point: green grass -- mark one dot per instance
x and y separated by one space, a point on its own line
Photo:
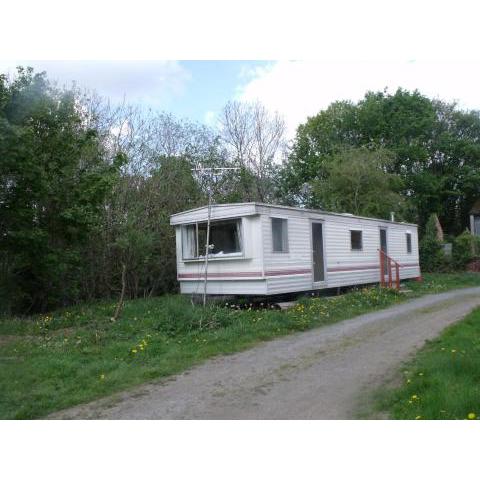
443 380
77 354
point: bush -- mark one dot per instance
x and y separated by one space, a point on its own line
432 258
466 247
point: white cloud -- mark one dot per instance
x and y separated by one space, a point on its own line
210 118
300 89
153 83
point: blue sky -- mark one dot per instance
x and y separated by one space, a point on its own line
211 85
193 89
295 89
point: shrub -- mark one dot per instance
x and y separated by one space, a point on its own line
466 247
432 258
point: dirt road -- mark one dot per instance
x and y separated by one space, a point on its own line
326 373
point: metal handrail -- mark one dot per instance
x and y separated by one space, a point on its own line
386 258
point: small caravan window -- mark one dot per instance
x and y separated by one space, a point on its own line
225 239
280 235
409 242
356 239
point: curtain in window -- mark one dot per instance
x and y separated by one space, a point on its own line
238 236
189 241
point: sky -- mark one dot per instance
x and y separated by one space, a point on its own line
296 89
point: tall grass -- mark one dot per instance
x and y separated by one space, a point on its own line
77 354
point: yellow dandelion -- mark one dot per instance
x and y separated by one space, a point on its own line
471 416
414 397
134 350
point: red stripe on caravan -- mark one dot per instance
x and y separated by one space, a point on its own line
220 275
268 273
350 268
296 271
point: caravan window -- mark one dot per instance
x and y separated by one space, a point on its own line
356 239
280 235
409 242
225 238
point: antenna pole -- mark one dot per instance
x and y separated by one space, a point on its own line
207 246
212 171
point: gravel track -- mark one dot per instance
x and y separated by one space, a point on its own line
324 373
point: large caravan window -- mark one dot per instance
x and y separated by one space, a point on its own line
280 235
356 239
409 242
225 239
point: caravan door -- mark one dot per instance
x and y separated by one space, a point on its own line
318 259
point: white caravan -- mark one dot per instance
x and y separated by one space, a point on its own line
259 249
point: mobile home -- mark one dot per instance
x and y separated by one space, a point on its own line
260 249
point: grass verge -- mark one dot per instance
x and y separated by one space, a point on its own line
442 382
78 354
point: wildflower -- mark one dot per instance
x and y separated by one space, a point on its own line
453 351
408 380
420 374
134 350
414 397
102 376
418 417
471 416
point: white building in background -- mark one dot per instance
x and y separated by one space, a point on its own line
260 249
475 218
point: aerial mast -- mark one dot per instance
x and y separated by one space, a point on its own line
212 172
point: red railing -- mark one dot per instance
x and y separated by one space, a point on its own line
386 264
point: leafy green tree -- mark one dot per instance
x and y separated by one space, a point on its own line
435 145
136 229
53 180
432 258
354 181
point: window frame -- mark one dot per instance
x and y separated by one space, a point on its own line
200 256
351 240
287 246
408 240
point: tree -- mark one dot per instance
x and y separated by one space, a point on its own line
254 139
54 176
354 181
435 145
432 258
